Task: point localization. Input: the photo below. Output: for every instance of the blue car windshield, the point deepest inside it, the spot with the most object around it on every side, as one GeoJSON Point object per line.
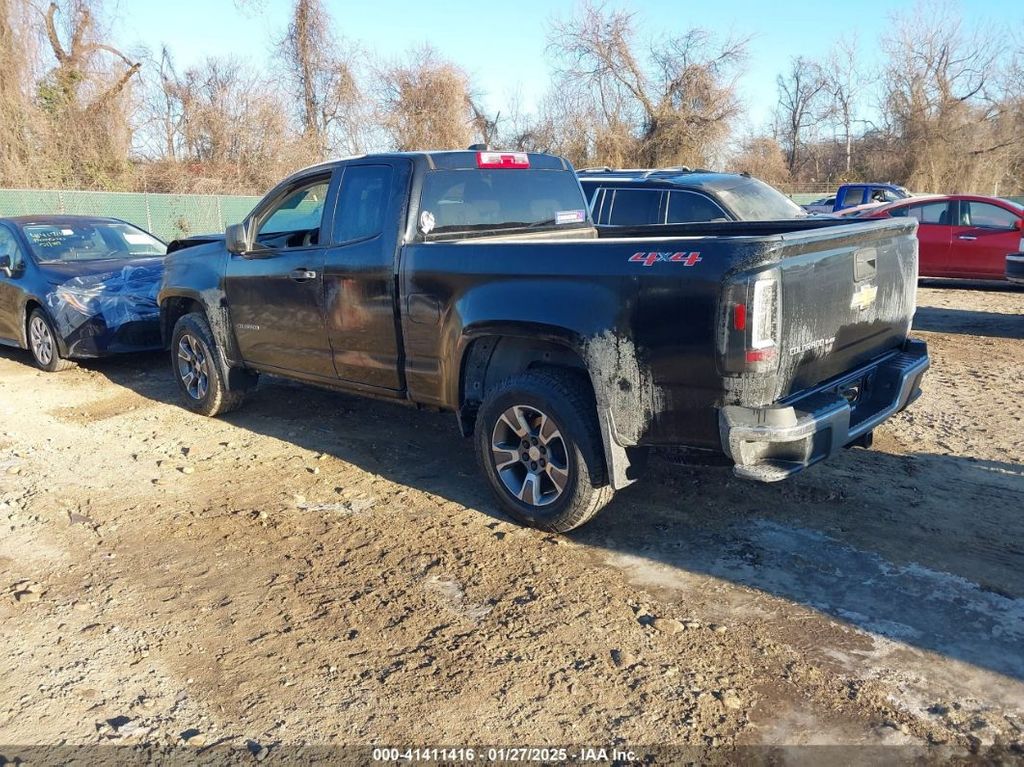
{"type": "Point", "coordinates": [90, 241]}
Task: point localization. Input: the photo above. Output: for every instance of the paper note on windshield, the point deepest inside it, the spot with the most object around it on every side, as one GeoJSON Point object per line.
{"type": "Point", "coordinates": [570, 216]}
{"type": "Point", "coordinates": [138, 239]}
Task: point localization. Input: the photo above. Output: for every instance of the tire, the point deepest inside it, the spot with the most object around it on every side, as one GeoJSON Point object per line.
{"type": "Point", "coordinates": [539, 446]}
{"type": "Point", "coordinates": [42, 343]}
{"type": "Point", "coordinates": [195, 368]}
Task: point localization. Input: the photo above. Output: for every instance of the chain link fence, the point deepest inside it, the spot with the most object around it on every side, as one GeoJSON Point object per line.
{"type": "Point", "coordinates": [169, 216]}
{"type": "Point", "coordinates": [166, 215]}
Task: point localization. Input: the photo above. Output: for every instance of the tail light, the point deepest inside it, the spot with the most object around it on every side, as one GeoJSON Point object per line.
{"type": "Point", "coordinates": [751, 334]}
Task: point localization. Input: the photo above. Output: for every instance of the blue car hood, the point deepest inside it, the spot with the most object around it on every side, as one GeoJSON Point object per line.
{"type": "Point", "coordinates": [114, 291]}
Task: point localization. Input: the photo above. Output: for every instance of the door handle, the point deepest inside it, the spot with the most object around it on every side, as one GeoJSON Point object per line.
{"type": "Point", "coordinates": [302, 275]}
{"type": "Point", "coordinates": [968, 237]}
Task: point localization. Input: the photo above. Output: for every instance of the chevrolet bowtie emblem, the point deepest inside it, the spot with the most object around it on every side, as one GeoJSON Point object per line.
{"type": "Point", "coordinates": [864, 297]}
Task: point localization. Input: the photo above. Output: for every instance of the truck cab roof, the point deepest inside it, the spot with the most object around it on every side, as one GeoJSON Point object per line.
{"type": "Point", "coordinates": [454, 159]}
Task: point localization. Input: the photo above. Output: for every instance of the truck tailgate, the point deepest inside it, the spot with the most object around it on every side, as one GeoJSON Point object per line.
{"type": "Point", "coordinates": [846, 303]}
{"type": "Point", "coordinates": [822, 303]}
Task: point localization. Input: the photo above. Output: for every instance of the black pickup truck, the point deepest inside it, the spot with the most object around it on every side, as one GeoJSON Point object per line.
{"type": "Point", "coordinates": [475, 282]}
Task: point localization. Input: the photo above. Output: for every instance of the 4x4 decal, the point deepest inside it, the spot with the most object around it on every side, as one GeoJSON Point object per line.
{"type": "Point", "coordinates": [650, 259]}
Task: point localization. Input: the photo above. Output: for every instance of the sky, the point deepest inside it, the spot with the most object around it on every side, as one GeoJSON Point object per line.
{"type": "Point", "coordinates": [502, 43]}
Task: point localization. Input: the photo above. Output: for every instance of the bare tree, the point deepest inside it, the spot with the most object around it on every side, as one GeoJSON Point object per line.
{"type": "Point", "coordinates": [425, 102]}
{"type": "Point", "coordinates": [76, 55]}
{"type": "Point", "coordinates": [17, 58]}
{"type": "Point", "coordinates": [84, 97]}
{"type": "Point", "coordinates": [800, 106]}
{"type": "Point", "coordinates": [939, 102]}
{"type": "Point", "coordinates": [762, 157]}
{"type": "Point", "coordinates": [673, 106]}
{"type": "Point", "coordinates": [845, 80]}
{"type": "Point", "coordinates": [331, 104]}
{"type": "Point", "coordinates": [221, 127]}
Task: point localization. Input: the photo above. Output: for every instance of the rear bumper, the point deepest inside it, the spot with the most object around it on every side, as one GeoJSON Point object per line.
{"type": "Point", "coordinates": [771, 444]}
{"type": "Point", "coordinates": [1015, 268]}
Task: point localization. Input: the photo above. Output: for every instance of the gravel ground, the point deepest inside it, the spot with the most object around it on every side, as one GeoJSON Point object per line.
{"type": "Point", "coordinates": [321, 569]}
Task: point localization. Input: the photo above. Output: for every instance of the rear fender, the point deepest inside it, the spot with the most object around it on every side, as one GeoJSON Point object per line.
{"type": "Point", "coordinates": [621, 387]}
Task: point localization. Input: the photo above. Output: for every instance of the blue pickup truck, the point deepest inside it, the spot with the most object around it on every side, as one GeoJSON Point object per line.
{"type": "Point", "coordinates": [852, 195]}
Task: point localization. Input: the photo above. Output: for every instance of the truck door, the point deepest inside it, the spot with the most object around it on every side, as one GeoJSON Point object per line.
{"type": "Point", "coordinates": [359, 273]}
{"type": "Point", "coordinates": [275, 291]}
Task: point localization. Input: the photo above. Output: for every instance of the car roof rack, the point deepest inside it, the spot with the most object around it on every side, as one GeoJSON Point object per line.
{"type": "Point", "coordinates": [646, 172]}
{"type": "Point", "coordinates": [667, 171]}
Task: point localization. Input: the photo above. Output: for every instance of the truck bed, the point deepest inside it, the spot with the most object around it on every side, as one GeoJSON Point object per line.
{"type": "Point", "coordinates": [655, 339]}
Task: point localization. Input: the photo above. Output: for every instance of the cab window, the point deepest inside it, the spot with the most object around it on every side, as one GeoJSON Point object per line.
{"type": "Point", "coordinates": [362, 202]}
{"type": "Point", "coordinates": [852, 196]}
{"type": "Point", "coordinates": [475, 200]}
{"type": "Point", "coordinates": [294, 220]}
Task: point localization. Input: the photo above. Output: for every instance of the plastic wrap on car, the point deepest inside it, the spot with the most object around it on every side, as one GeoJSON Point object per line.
{"type": "Point", "coordinates": [107, 301]}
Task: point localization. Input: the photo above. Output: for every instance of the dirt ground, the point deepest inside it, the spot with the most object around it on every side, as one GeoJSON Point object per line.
{"type": "Point", "coordinates": [321, 569]}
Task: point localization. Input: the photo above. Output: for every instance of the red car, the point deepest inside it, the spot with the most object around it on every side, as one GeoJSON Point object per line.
{"type": "Point", "coordinates": [961, 235]}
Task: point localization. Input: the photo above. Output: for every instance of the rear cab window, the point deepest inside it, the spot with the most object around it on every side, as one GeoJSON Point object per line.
{"type": "Point", "coordinates": [480, 200]}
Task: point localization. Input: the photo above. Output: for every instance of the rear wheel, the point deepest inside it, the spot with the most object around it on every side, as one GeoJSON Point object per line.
{"type": "Point", "coordinates": [196, 370]}
{"type": "Point", "coordinates": [538, 443]}
{"type": "Point", "coordinates": [42, 342]}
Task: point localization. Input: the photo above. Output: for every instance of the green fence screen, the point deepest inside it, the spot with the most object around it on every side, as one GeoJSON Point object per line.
{"type": "Point", "coordinates": [166, 215]}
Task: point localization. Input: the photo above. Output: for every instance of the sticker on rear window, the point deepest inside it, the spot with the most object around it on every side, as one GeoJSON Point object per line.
{"type": "Point", "coordinates": [570, 216]}
{"type": "Point", "coordinates": [426, 222]}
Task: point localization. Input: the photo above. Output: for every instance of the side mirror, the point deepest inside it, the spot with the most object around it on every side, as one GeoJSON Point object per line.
{"type": "Point", "coordinates": [235, 239]}
{"type": "Point", "coordinates": [6, 266]}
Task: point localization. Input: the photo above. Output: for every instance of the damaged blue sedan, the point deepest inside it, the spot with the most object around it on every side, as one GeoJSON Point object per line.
{"type": "Point", "coordinates": [74, 287]}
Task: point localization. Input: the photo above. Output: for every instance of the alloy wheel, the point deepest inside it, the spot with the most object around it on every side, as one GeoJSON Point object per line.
{"type": "Point", "coordinates": [530, 455]}
{"type": "Point", "coordinates": [193, 367]}
{"type": "Point", "coordinates": [41, 340]}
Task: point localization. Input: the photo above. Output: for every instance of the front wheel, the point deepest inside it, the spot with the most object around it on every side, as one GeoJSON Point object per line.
{"type": "Point", "coordinates": [196, 370]}
{"type": "Point", "coordinates": [42, 342]}
{"type": "Point", "coordinates": [539, 445]}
